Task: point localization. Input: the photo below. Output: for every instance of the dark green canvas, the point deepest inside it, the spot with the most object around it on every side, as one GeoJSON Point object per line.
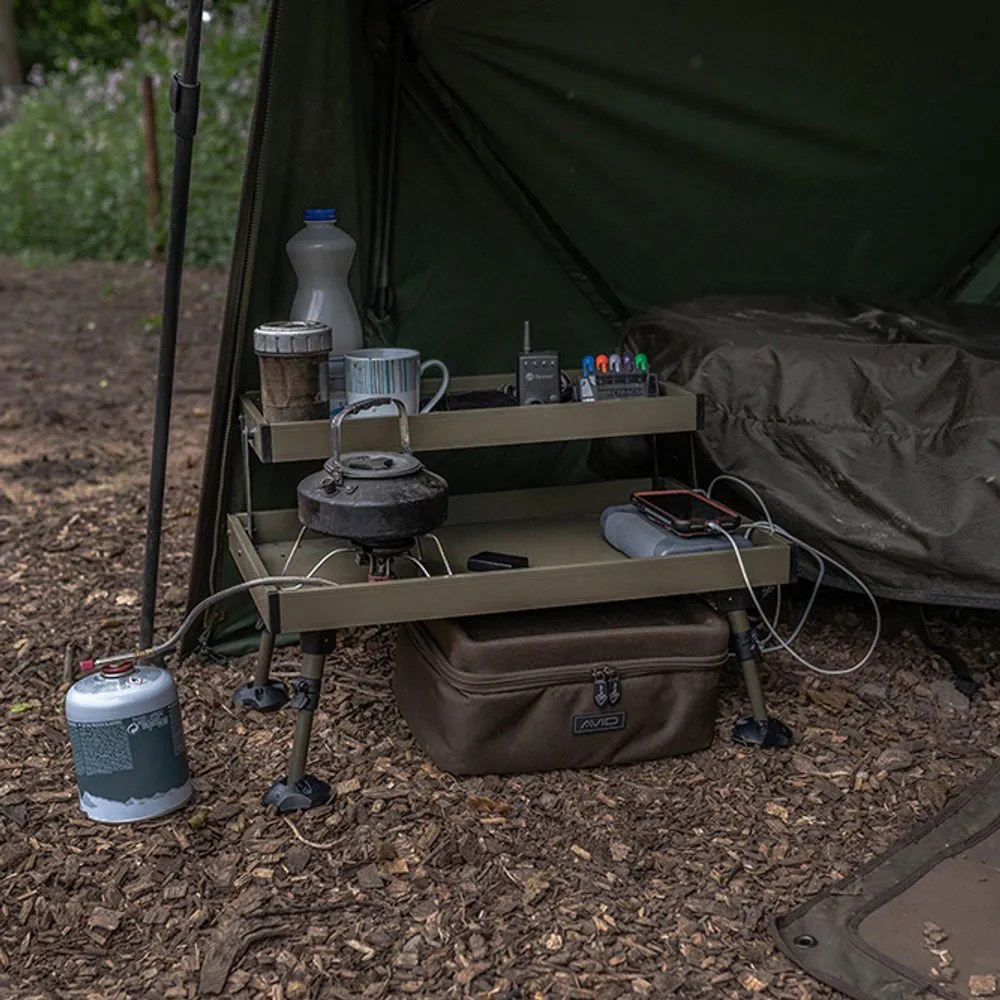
{"type": "Point", "coordinates": [574, 163]}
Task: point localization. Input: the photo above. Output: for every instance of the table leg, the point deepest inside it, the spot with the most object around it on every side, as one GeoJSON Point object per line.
{"type": "Point", "coordinates": [298, 789]}
{"type": "Point", "coordinates": [758, 728]}
{"type": "Point", "coordinates": [262, 693]}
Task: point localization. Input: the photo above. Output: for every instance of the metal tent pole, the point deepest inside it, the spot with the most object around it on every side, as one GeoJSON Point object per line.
{"type": "Point", "coordinates": [184, 93]}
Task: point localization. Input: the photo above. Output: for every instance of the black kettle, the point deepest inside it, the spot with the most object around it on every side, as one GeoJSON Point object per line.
{"type": "Point", "coordinates": [373, 498]}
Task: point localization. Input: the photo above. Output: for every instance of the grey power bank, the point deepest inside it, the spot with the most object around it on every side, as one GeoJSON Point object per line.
{"type": "Point", "coordinates": [627, 530]}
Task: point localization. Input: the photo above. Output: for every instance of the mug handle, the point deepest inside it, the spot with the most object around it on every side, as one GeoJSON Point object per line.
{"type": "Point", "coordinates": [437, 397]}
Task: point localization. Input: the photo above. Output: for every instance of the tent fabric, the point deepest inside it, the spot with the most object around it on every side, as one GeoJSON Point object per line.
{"type": "Point", "coordinates": [872, 429]}
{"type": "Point", "coordinates": [572, 163]}
{"type": "Point", "coordinates": [306, 144]}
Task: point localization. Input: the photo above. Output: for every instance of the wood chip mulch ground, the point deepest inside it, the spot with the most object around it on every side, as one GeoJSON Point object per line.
{"type": "Point", "coordinates": [654, 880]}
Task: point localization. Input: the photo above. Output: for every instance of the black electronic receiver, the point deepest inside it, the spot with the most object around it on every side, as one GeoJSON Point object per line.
{"type": "Point", "coordinates": [484, 562]}
{"type": "Point", "coordinates": [538, 374]}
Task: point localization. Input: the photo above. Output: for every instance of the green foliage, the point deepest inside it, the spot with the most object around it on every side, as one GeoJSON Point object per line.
{"type": "Point", "coordinates": [99, 32]}
{"type": "Point", "coordinates": [72, 174]}
{"type": "Point", "coordinates": [55, 33]}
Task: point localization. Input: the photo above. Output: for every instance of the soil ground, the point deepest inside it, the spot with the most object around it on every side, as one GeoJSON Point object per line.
{"type": "Point", "coordinates": [650, 880]}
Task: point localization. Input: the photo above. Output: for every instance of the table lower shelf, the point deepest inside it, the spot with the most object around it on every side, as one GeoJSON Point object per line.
{"type": "Point", "coordinates": [557, 529]}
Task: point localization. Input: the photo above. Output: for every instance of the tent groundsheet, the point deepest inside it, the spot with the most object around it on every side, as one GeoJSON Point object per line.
{"type": "Point", "coordinates": [917, 923]}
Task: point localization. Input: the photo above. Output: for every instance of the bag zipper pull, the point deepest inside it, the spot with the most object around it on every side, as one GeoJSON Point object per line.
{"type": "Point", "coordinates": [600, 687]}
{"type": "Point", "coordinates": [614, 687]}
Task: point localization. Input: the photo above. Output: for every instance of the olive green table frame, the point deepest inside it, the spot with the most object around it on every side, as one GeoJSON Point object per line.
{"type": "Point", "coordinates": [558, 529]}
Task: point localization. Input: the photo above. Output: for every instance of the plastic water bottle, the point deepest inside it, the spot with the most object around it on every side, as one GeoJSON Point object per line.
{"type": "Point", "coordinates": [321, 254]}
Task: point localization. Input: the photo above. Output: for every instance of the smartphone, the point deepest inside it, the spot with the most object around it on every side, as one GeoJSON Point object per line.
{"type": "Point", "coordinates": [684, 512]}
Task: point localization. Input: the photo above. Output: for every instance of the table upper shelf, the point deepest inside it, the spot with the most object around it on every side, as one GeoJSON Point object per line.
{"type": "Point", "coordinates": [674, 410]}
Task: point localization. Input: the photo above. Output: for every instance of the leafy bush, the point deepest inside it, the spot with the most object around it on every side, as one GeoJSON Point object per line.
{"type": "Point", "coordinates": [101, 32]}
{"type": "Point", "coordinates": [72, 173]}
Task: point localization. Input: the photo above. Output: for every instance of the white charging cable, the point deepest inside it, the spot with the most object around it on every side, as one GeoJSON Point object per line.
{"type": "Point", "coordinates": [746, 486]}
{"type": "Point", "coordinates": [780, 532]}
{"type": "Point", "coordinates": [725, 478]}
{"type": "Point", "coordinates": [769, 526]}
{"type": "Point", "coordinates": [817, 583]}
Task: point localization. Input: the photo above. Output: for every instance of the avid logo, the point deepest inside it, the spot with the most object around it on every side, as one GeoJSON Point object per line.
{"type": "Point", "coordinates": [603, 722]}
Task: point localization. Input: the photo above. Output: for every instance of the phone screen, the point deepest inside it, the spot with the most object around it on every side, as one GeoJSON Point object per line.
{"type": "Point", "coordinates": [681, 506]}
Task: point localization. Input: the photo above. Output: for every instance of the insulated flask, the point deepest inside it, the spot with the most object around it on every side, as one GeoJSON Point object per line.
{"type": "Point", "coordinates": [128, 745]}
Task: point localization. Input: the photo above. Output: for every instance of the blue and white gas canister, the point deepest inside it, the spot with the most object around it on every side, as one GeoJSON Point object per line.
{"type": "Point", "coordinates": [128, 745]}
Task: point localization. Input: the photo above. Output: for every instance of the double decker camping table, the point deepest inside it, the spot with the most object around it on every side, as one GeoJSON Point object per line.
{"type": "Point", "coordinates": [557, 528]}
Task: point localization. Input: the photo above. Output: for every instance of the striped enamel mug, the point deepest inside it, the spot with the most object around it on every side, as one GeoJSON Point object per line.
{"type": "Point", "coordinates": [390, 371]}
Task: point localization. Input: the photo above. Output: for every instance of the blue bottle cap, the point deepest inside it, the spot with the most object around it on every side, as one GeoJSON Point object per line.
{"type": "Point", "coordinates": [319, 215]}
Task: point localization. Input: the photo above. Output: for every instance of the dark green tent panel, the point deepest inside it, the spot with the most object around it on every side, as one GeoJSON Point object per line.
{"type": "Point", "coordinates": [574, 163]}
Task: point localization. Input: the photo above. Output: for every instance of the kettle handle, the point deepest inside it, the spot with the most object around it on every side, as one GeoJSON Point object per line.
{"type": "Point", "coordinates": [365, 404]}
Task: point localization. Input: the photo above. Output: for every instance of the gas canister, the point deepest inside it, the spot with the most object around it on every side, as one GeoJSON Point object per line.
{"type": "Point", "coordinates": [128, 745]}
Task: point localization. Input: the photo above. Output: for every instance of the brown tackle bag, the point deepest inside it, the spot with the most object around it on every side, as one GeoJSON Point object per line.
{"type": "Point", "coordinates": [562, 687]}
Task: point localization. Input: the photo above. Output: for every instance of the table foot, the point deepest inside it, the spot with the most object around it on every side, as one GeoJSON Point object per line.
{"type": "Point", "coordinates": [306, 793]}
{"type": "Point", "coordinates": [266, 697]}
{"type": "Point", "coordinates": [751, 732]}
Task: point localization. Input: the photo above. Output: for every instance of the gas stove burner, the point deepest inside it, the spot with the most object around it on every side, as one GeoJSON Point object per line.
{"type": "Point", "coordinates": [385, 550]}
{"type": "Point", "coordinates": [380, 558]}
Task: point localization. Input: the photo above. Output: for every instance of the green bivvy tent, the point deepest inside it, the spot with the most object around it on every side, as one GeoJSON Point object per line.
{"type": "Point", "coordinates": [576, 163]}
